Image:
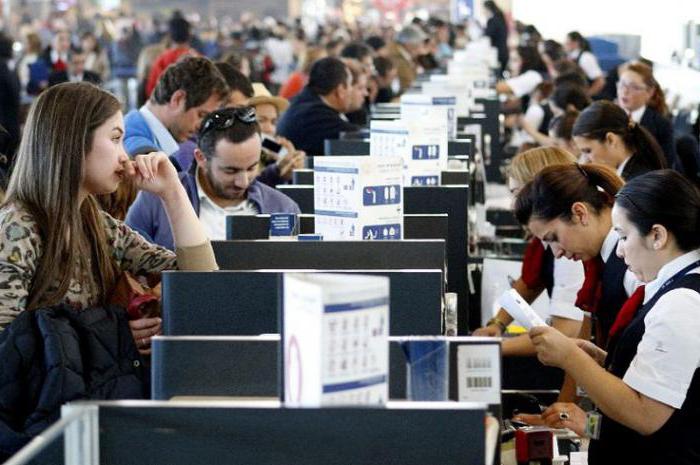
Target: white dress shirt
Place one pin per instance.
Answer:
(637, 114)
(588, 63)
(621, 166)
(669, 352)
(213, 217)
(525, 83)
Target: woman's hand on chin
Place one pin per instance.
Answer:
(153, 172)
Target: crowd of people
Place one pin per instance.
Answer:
(98, 186)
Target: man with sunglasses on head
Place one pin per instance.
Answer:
(221, 182)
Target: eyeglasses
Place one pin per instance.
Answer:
(227, 117)
(631, 87)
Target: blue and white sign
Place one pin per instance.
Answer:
(351, 192)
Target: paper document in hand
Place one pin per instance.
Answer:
(520, 310)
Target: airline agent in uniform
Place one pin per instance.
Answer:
(646, 385)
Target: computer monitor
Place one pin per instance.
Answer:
(303, 195)
(345, 147)
(303, 176)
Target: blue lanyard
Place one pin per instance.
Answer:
(678, 275)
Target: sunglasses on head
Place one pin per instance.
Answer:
(227, 117)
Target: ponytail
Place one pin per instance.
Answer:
(645, 146)
(556, 188)
(583, 43)
(602, 117)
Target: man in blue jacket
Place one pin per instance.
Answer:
(186, 92)
(221, 182)
(316, 113)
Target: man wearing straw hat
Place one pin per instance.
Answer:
(280, 165)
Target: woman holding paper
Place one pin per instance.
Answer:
(647, 385)
(569, 208)
(560, 277)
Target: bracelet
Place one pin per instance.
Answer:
(495, 321)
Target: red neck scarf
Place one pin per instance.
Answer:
(627, 312)
(533, 261)
(588, 297)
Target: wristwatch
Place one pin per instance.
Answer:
(495, 321)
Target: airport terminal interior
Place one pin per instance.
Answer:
(349, 232)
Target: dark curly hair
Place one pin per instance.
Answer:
(198, 77)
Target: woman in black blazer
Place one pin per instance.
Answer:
(497, 31)
(605, 134)
(642, 98)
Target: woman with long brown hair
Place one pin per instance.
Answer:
(56, 245)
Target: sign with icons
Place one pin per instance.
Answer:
(352, 192)
(336, 330)
(420, 142)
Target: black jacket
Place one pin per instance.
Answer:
(9, 110)
(636, 166)
(55, 355)
(58, 77)
(308, 122)
(661, 128)
(497, 31)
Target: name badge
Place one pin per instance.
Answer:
(593, 421)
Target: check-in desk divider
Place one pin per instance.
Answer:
(454, 201)
(340, 147)
(215, 367)
(247, 303)
(266, 433)
(257, 227)
(251, 367)
(447, 177)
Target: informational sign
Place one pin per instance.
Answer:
(441, 84)
(336, 330)
(421, 143)
(359, 197)
(439, 108)
(283, 226)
